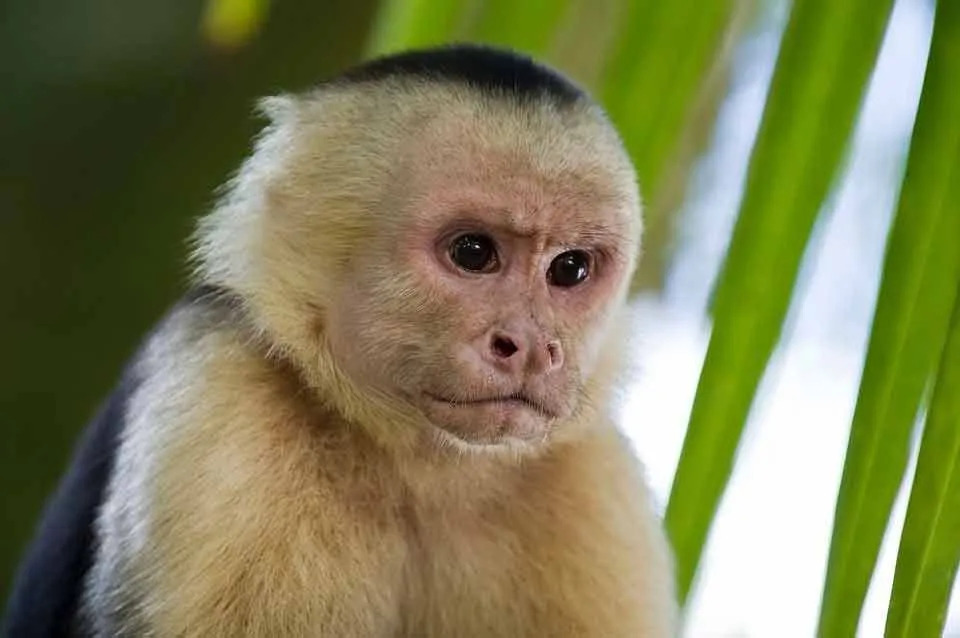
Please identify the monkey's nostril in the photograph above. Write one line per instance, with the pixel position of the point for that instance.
(504, 347)
(556, 354)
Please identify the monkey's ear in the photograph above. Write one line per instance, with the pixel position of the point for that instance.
(278, 108)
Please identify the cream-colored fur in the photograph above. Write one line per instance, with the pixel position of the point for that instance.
(264, 489)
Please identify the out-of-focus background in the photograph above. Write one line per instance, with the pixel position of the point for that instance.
(119, 120)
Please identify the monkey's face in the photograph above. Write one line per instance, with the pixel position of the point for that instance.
(485, 303)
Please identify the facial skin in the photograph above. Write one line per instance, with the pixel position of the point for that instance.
(484, 305)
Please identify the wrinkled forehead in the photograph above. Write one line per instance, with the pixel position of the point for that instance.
(555, 158)
(392, 141)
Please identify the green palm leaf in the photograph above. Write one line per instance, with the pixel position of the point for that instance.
(826, 56)
(930, 545)
(920, 281)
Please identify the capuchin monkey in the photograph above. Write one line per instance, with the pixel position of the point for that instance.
(385, 410)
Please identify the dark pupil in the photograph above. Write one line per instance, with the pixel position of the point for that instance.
(569, 268)
(472, 252)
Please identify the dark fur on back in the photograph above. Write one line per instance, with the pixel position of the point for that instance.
(47, 589)
(490, 70)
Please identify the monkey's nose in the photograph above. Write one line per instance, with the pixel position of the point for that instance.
(513, 353)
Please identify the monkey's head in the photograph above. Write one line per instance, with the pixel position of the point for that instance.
(441, 242)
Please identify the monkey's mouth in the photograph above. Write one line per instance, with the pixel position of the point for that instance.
(494, 420)
(516, 399)
(491, 419)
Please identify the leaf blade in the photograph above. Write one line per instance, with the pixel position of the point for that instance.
(826, 56)
(919, 283)
(930, 545)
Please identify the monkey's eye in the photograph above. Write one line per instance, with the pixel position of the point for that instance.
(569, 268)
(474, 252)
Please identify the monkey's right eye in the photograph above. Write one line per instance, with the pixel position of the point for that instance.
(473, 252)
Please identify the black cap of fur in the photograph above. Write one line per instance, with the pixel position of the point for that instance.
(497, 71)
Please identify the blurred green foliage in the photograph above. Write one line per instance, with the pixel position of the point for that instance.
(117, 122)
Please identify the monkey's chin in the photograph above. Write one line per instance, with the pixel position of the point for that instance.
(490, 423)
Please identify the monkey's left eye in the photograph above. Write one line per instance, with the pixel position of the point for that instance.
(569, 268)
(474, 252)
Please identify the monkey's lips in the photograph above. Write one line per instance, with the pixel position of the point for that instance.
(490, 420)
